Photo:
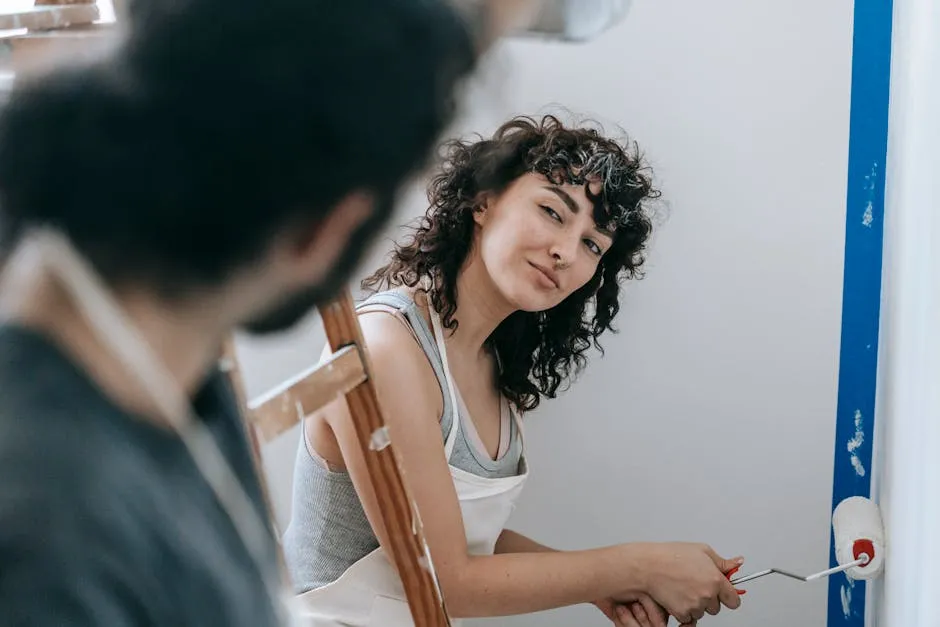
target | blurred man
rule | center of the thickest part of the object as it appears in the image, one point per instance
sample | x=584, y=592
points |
x=223, y=168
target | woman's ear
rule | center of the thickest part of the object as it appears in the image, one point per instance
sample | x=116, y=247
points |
x=481, y=208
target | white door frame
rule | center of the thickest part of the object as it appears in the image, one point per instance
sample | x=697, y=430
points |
x=907, y=465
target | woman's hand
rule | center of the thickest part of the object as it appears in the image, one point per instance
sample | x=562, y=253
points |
x=644, y=612
x=688, y=580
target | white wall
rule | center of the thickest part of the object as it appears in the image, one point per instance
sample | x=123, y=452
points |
x=711, y=418
x=909, y=397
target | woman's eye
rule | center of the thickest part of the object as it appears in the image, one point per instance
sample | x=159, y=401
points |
x=551, y=212
x=593, y=247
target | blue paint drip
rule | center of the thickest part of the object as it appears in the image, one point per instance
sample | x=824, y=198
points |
x=861, y=304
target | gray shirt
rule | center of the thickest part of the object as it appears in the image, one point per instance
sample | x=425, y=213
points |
x=104, y=519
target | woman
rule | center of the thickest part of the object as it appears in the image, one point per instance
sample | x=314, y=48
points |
x=506, y=283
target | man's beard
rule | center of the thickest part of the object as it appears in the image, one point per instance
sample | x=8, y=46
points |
x=296, y=306
x=285, y=314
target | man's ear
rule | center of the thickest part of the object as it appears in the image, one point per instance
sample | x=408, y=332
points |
x=315, y=248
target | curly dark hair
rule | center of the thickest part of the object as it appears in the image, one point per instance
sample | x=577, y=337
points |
x=540, y=350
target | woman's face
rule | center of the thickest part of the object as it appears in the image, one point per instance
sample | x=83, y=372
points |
x=538, y=241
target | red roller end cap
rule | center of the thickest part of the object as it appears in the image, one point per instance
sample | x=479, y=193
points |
x=866, y=547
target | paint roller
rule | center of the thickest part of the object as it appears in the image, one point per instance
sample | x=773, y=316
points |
x=859, y=541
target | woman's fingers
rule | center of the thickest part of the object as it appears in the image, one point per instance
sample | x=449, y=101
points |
x=658, y=617
x=713, y=607
x=625, y=618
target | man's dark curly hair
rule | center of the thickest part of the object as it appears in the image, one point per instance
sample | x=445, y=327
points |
x=538, y=350
x=173, y=161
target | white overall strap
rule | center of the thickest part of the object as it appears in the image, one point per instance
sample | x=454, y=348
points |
x=512, y=410
x=455, y=419
x=519, y=427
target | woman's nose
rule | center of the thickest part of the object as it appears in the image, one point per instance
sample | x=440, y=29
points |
x=564, y=250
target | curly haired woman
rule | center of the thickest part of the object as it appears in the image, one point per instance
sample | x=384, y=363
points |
x=508, y=281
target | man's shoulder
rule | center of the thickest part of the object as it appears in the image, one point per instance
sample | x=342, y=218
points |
x=106, y=514
x=59, y=448
x=36, y=376
x=54, y=459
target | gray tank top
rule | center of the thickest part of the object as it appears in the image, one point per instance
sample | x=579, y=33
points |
x=328, y=530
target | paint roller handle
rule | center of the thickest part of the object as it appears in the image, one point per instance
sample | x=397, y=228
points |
x=731, y=573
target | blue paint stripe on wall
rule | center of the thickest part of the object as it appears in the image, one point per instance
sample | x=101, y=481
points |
x=858, y=359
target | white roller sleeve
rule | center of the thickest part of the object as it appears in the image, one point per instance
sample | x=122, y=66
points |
x=856, y=522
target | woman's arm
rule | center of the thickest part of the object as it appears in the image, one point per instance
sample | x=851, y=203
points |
x=506, y=583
